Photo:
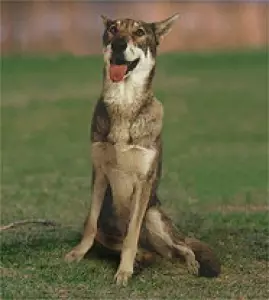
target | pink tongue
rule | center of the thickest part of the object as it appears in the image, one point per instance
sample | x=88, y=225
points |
x=117, y=72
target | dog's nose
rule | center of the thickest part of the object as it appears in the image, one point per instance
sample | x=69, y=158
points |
x=119, y=44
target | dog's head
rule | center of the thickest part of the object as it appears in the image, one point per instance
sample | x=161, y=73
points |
x=130, y=46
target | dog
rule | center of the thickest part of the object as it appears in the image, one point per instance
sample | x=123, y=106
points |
x=126, y=152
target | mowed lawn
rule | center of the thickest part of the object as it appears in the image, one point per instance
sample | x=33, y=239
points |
x=214, y=179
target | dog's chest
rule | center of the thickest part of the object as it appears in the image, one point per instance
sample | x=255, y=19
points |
x=123, y=94
x=123, y=100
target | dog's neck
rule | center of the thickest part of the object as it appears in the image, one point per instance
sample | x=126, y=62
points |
x=129, y=95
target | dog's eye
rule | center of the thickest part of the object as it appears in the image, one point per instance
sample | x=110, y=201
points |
x=140, y=32
x=113, y=29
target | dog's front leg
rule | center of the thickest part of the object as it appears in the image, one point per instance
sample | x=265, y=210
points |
x=129, y=249
x=90, y=230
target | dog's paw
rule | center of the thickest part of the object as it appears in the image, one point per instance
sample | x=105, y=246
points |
x=75, y=255
x=122, y=277
x=193, y=266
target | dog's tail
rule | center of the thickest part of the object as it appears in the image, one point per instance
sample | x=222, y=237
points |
x=209, y=263
x=165, y=238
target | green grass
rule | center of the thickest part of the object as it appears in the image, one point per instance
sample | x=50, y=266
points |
x=214, y=178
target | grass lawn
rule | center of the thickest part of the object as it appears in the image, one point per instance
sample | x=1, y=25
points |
x=214, y=179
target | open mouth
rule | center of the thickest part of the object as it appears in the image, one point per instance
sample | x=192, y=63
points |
x=118, y=69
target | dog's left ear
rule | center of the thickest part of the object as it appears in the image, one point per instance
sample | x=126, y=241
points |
x=162, y=28
x=106, y=20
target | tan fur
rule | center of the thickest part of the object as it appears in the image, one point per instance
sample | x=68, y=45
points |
x=125, y=213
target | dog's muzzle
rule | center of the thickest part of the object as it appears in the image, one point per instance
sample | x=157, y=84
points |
x=119, y=45
x=119, y=66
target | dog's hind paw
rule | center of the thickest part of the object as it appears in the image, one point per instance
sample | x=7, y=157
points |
x=193, y=266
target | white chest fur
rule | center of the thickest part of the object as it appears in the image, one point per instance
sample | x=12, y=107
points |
x=124, y=94
x=123, y=99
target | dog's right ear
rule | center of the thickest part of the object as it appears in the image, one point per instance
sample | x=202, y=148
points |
x=106, y=20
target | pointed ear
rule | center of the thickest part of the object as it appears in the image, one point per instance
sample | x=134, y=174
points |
x=162, y=28
x=106, y=20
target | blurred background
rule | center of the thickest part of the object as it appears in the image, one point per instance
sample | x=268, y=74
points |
x=75, y=26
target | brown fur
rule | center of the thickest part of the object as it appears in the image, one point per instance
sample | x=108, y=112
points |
x=125, y=213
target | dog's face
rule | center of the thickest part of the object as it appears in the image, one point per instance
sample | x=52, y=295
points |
x=130, y=46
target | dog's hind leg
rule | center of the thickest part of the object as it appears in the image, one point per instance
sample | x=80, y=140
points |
x=165, y=239
x=161, y=238
x=90, y=229
x=143, y=259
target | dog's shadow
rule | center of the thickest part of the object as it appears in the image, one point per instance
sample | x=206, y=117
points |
x=99, y=252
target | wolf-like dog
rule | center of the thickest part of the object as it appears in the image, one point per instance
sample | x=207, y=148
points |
x=126, y=150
